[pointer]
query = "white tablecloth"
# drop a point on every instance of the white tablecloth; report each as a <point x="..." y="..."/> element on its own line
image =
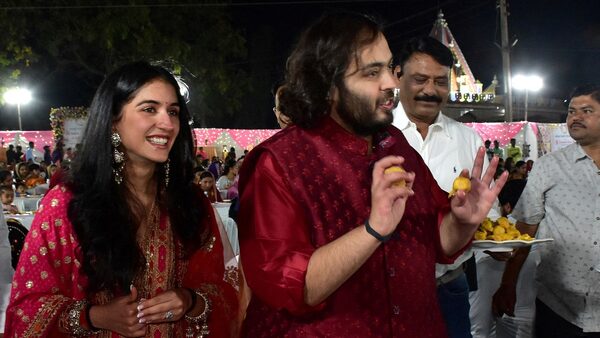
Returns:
<point x="39" y="189"/>
<point x="27" y="203"/>
<point x="229" y="224"/>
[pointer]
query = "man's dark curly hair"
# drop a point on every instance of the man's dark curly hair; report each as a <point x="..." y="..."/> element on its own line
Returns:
<point x="319" y="61"/>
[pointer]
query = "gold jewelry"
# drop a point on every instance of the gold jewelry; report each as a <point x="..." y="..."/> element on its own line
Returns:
<point x="167" y="168"/>
<point x="198" y="325"/>
<point x="118" y="157"/>
<point x="70" y="320"/>
<point x="169" y="315"/>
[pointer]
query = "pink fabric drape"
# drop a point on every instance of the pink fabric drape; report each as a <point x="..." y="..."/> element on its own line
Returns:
<point x="502" y="132"/>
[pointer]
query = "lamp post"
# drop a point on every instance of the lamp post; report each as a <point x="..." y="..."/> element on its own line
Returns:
<point x="527" y="83"/>
<point x="18" y="96"/>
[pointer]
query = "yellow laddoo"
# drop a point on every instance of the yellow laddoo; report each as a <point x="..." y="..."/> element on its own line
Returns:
<point x="460" y="183"/>
<point x="396" y="169"/>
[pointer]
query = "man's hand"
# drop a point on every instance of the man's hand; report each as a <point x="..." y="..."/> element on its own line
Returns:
<point x="501" y="256"/>
<point x="503" y="301"/>
<point x="388" y="201"/>
<point x="332" y="264"/>
<point x="468" y="209"/>
<point x="472" y="207"/>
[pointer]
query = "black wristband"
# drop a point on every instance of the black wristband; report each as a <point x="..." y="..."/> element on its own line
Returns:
<point x="194" y="299"/>
<point x="87" y="317"/>
<point x="377" y="235"/>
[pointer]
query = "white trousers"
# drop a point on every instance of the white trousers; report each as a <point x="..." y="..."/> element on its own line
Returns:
<point x="489" y="276"/>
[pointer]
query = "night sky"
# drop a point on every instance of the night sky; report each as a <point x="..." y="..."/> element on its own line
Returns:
<point x="558" y="40"/>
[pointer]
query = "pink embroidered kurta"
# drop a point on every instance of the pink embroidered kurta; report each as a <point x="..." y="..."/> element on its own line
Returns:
<point x="302" y="189"/>
<point x="49" y="276"/>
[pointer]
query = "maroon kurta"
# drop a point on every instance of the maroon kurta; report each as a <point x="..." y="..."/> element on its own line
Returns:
<point x="302" y="189"/>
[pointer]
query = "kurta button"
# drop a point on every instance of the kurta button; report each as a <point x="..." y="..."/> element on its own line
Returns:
<point x="396" y="309"/>
<point x="598" y="218"/>
<point x="595" y="243"/>
<point x="392" y="272"/>
<point x="591" y="268"/>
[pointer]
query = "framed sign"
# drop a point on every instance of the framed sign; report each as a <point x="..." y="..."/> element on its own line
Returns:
<point x="68" y="124"/>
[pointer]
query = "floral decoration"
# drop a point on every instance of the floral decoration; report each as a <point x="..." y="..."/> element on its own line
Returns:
<point x="59" y="115"/>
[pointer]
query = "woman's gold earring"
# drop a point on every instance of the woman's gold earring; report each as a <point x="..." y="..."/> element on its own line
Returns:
<point x="118" y="157"/>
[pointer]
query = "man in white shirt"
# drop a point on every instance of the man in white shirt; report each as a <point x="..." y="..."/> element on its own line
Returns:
<point x="447" y="147"/>
<point x="29" y="153"/>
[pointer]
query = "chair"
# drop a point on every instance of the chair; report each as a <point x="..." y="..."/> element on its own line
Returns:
<point x="16" y="236"/>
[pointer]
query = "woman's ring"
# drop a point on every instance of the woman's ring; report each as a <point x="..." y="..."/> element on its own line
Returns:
<point x="169" y="315"/>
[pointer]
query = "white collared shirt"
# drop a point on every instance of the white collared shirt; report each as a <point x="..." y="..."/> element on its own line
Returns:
<point x="448" y="148"/>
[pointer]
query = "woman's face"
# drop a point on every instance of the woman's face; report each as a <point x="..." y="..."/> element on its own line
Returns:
<point x="51" y="170"/>
<point x="21" y="189"/>
<point x="23" y="171"/>
<point x="149" y="123"/>
<point x="207" y="183"/>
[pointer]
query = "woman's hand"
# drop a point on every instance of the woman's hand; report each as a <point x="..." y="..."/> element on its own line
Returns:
<point x="169" y="306"/>
<point x="120" y="316"/>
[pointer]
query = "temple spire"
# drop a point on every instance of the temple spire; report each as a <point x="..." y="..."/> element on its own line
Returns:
<point x="461" y="77"/>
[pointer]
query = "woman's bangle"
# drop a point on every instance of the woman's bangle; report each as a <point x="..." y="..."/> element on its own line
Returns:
<point x="75" y="318"/>
<point x="198" y="325"/>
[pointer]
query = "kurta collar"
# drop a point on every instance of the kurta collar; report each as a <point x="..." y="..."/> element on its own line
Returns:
<point x="346" y="140"/>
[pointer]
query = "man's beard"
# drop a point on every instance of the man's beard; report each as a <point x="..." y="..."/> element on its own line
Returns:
<point x="358" y="113"/>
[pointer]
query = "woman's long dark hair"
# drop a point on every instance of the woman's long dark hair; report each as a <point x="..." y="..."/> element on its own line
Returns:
<point x="319" y="61"/>
<point x="100" y="209"/>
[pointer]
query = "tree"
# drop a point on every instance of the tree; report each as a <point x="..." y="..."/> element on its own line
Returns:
<point x="42" y="42"/>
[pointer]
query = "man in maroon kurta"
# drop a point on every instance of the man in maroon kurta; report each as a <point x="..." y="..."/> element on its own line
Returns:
<point x="331" y="247"/>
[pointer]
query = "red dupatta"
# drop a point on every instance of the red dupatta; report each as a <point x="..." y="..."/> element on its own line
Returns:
<point x="49" y="278"/>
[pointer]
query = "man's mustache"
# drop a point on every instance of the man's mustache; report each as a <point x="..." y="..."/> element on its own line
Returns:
<point x="429" y="98"/>
<point x="577" y="124"/>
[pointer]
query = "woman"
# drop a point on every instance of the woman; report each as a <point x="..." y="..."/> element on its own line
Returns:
<point x="207" y="184"/>
<point x="232" y="191"/>
<point x="127" y="246"/>
<point x="229" y="172"/>
<point x="21" y="172"/>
